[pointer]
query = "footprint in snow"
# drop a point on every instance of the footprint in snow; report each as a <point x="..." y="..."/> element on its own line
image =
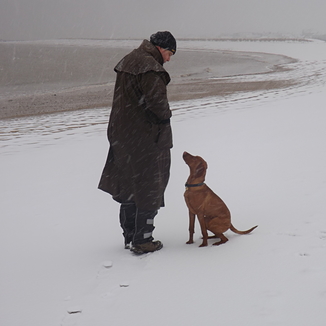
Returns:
<point x="107" y="263"/>
<point x="104" y="269"/>
<point x="72" y="317"/>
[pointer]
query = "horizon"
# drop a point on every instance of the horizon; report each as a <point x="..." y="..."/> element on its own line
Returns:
<point x="236" y="37"/>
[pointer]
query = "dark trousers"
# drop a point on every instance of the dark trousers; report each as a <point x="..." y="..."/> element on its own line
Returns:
<point x="137" y="224"/>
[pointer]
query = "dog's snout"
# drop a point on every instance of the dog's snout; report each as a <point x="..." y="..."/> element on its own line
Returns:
<point x="187" y="157"/>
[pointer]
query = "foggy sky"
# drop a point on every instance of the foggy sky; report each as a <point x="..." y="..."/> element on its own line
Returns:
<point x="103" y="19"/>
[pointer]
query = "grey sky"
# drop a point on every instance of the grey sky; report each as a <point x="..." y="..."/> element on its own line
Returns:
<point x="46" y="19"/>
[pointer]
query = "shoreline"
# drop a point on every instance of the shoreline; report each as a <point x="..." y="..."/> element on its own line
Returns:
<point x="47" y="78"/>
<point x="99" y="96"/>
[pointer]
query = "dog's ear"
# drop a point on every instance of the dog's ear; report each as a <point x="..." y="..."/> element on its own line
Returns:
<point x="200" y="170"/>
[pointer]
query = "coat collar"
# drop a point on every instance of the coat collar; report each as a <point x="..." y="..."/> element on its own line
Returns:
<point x="151" y="49"/>
<point x="143" y="59"/>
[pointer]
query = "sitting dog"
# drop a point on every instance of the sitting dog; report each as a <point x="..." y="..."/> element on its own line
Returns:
<point x="212" y="213"/>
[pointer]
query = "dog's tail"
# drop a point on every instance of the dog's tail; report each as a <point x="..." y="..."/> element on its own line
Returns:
<point x="232" y="228"/>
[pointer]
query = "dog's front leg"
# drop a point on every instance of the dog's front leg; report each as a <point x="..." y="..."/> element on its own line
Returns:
<point x="191" y="227"/>
<point x="201" y="219"/>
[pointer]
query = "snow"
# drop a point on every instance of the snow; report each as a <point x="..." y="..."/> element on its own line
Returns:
<point x="62" y="256"/>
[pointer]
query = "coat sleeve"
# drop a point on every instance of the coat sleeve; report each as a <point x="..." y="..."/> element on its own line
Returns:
<point x="155" y="100"/>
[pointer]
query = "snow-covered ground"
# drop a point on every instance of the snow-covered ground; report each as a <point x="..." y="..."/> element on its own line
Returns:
<point x="60" y="241"/>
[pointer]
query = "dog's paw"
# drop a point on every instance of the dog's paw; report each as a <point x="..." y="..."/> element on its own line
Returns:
<point x="190" y="242"/>
<point x="203" y="245"/>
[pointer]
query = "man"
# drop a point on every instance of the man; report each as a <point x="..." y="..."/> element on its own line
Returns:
<point x="137" y="169"/>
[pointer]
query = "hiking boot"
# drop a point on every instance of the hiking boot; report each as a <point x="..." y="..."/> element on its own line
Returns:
<point x="127" y="246"/>
<point x="128" y="239"/>
<point x="146" y="247"/>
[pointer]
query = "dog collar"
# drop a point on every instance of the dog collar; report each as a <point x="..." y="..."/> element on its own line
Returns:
<point x="191" y="185"/>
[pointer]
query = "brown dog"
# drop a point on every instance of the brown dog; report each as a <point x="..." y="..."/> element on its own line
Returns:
<point x="212" y="213"/>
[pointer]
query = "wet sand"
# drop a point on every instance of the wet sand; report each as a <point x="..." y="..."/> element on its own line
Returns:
<point x="41" y="78"/>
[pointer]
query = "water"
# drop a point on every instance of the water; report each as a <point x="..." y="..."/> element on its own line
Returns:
<point x="36" y="131"/>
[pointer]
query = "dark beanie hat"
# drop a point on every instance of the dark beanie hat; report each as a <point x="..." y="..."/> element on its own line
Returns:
<point x="165" y="40"/>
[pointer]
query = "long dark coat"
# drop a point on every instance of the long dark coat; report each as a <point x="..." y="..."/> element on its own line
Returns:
<point x="139" y="131"/>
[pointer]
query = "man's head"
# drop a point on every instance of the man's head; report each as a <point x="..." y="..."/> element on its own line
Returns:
<point x="166" y="44"/>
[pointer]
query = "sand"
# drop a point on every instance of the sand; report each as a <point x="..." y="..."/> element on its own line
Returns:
<point x="41" y="78"/>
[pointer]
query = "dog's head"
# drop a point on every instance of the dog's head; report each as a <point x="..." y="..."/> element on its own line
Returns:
<point x="197" y="165"/>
